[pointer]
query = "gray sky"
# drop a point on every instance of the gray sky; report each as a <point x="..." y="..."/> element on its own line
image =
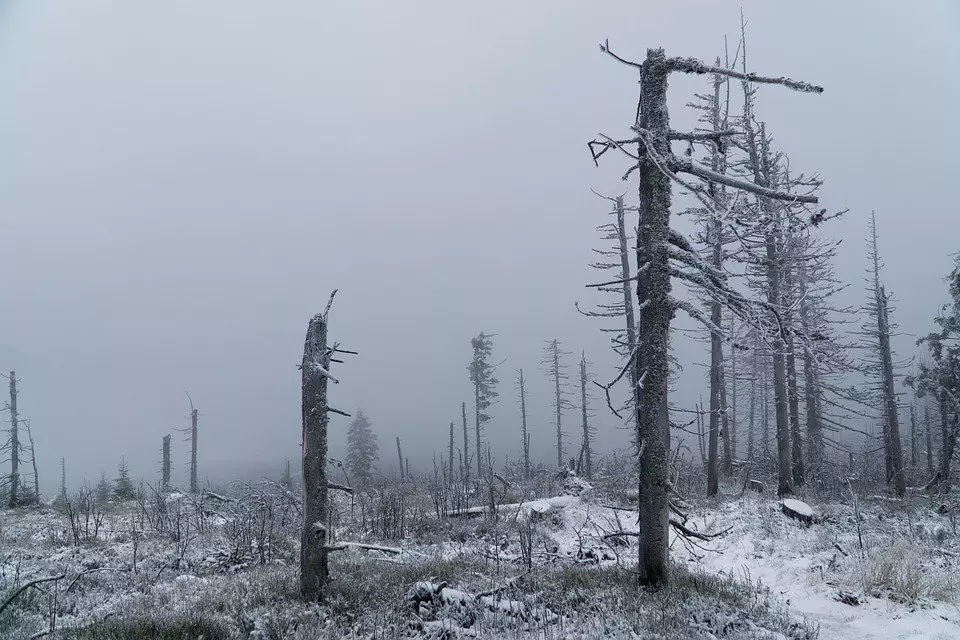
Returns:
<point x="183" y="183"/>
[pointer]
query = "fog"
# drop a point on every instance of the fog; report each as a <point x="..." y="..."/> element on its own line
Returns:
<point x="183" y="183"/>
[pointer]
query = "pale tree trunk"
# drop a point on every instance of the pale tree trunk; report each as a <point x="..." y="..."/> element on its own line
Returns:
<point x="476" y="405"/>
<point x="585" y="447"/>
<point x="913" y="437"/>
<point x="811" y="382"/>
<point x="14" y="444"/>
<point x="627" y="294"/>
<point x="948" y="442"/>
<point x="556" y="382"/>
<point x="193" y="448"/>
<point x="733" y="425"/>
<point x="165" y="464"/>
<point x="523" y="428"/>
<point x="450" y="457"/>
<point x="726" y="462"/>
<point x="399" y="458"/>
<point x="33" y="462"/>
<point x="656" y="312"/>
<point x="466" y="445"/>
<point x="63" y="479"/>
<point x="928" y="427"/>
<point x="793" y="395"/>
<point x="890" y="396"/>
<point x="313" y="540"/>
<point x="751" y="420"/>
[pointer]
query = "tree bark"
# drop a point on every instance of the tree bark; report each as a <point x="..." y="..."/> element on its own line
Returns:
<point x="523" y="428"/>
<point x="165" y="464"/>
<point x="656" y="312"/>
<point x="400" y="458"/>
<point x="313" y="540"/>
<point x="466" y="446"/>
<point x="585" y="447"/>
<point x="450" y="458"/>
<point x="193" y="449"/>
<point x="14" y="445"/>
<point x="928" y="427"/>
<point x="890" y="397"/>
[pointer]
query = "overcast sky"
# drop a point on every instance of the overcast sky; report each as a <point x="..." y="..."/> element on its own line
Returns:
<point x="182" y="183"/>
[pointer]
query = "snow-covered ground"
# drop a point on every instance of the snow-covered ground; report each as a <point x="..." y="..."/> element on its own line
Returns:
<point x="893" y="576"/>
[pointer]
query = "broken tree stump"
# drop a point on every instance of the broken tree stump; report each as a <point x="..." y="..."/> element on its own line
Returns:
<point x="797" y="510"/>
<point x="755" y="485"/>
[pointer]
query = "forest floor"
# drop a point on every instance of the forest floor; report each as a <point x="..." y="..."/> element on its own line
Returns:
<point x="226" y="567"/>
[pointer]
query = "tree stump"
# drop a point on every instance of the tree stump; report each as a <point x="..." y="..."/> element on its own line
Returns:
<point x="797" y="510"/>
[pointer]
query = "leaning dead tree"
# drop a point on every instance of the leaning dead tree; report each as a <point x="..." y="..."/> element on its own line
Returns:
<point x="315" y="536"/>
<point x="664" y="254"/>
<point x="400" y="457"/>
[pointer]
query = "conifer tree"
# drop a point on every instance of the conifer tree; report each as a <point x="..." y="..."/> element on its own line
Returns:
<point x="123" y="488"/>
<point x="362" y="450"/>
<point x="481" y="372"/>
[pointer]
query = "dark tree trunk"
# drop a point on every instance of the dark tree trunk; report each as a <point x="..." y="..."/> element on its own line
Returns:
<point x="656" y="312"/>
<point x="585" y="447"/>
<point x="523" y="428"/>
<point x="466" y="446"/>
<point x="14" y="444"/>
<point x="165" y="464"/>
<point x="313" y="540"/>
<point x="890" y="397"/>
<point x="928" y="427"/>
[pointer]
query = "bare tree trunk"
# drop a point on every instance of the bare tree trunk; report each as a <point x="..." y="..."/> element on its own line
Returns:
<point x="466" y="446"/>
<point x="476" y="405"/>
<point x="793" y="397"/>
<point x="63" y="480"/>
<point x="656" y="312"/>
<point x="193" y="447"/>
<point x="450" y="457"/>
<point x="733" y="425"/>
<point x="913" y="437"/>
<point x="946" y="443"/>
<point x="751" y="420"/>
<point x="399" y="458"/>
<point x="627" y="294"/>
<point x="523" y="428"/>
<point x="928" y="427"/>
<point x="713" y="481"/>
<point x="165" y="464"/>
<point x="33" y="462"/>
<point x="585" y="448"/>
<point x="890" y="397"/>
<point x="556" y="382"/>
<point x="14" y="444"/>
<point x="313" y="540"/>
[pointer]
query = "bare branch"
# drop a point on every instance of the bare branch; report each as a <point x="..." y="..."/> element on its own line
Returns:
<point x="692" y="65"/>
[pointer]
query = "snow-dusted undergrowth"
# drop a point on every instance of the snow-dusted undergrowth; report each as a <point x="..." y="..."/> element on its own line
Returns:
<point x="227" y="569"/>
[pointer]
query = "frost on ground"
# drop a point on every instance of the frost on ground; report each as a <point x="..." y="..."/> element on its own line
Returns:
<point x="559" y="566"/>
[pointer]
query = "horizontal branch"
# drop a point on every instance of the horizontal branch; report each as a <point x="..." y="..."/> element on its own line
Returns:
<point x="339" y="487"/>
<point x="692" y="65"/>
<point x="342" y="413"/>
<point x="696" y="169"/>
<point x="699" y="136"/>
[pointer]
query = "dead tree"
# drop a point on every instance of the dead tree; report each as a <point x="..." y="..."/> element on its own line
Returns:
<point x="165" y="463"/>
<point x="913" y="436"/>
<point x="877" y="331"/>
<point x="315" y="375"/>
<point x="616" y="258"/>
<point x="664" y="254"/>
<point x="400" y="457"/>
<point x="14" y="491"/>
<point x="585" y="447"/>
<point x="466" y="446"/>
<point x="450" y="457"/>
<point x="193" y="446"/>
<point x="556" y="371"/>
<point x="522" y="390"/>
<point x="33" y="463"/>
<point x="62" y="498"/>
<point x="928" y="428"/>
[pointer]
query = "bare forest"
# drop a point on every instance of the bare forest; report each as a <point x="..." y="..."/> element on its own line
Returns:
<point x="448" y="323"/>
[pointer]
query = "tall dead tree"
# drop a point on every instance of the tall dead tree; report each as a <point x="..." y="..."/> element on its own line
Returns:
<point x="616" y="258"/>
<point x="165" y="463"/>
<point x="14" y="490"/>
<point x="315" y="375"/>
<point x="556" y="371"/>
<point x="913" y="436"/>
<point x="587" y="431"/>
<point x="62" y="497"/>
<point x="400" y="458"/>
<point x="193" y="446"/>
<point x="881" y="366"/>
<point x="450" y="457"/>
<point x="928" y="428"/>
<point x="466" y="445"/>
<point x="663" y="254"/>
<point x="524" y="434"/>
